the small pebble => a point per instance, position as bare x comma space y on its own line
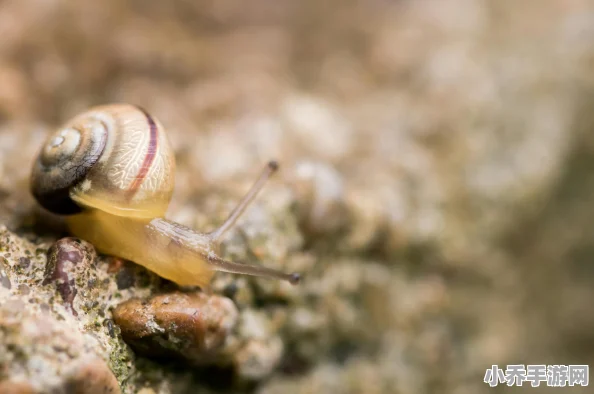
191, 326
66, 261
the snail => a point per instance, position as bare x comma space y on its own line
110, 172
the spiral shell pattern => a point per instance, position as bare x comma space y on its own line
65, 159
115, 158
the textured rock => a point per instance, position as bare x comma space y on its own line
41, 354
435, 187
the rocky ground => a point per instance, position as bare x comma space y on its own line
437, 168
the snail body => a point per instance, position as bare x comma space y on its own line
110, 171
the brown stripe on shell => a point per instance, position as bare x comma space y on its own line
148, 158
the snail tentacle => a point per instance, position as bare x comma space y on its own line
267, 172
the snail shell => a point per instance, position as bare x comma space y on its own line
111, 170
115, 158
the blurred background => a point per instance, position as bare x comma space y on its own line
437, 183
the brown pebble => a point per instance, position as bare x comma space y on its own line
92, 377
191, 326
66, 260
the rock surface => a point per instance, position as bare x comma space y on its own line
437, 162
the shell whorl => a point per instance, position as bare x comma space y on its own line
115, 158
65, 159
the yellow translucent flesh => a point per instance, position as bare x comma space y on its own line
104, 202
141, 241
